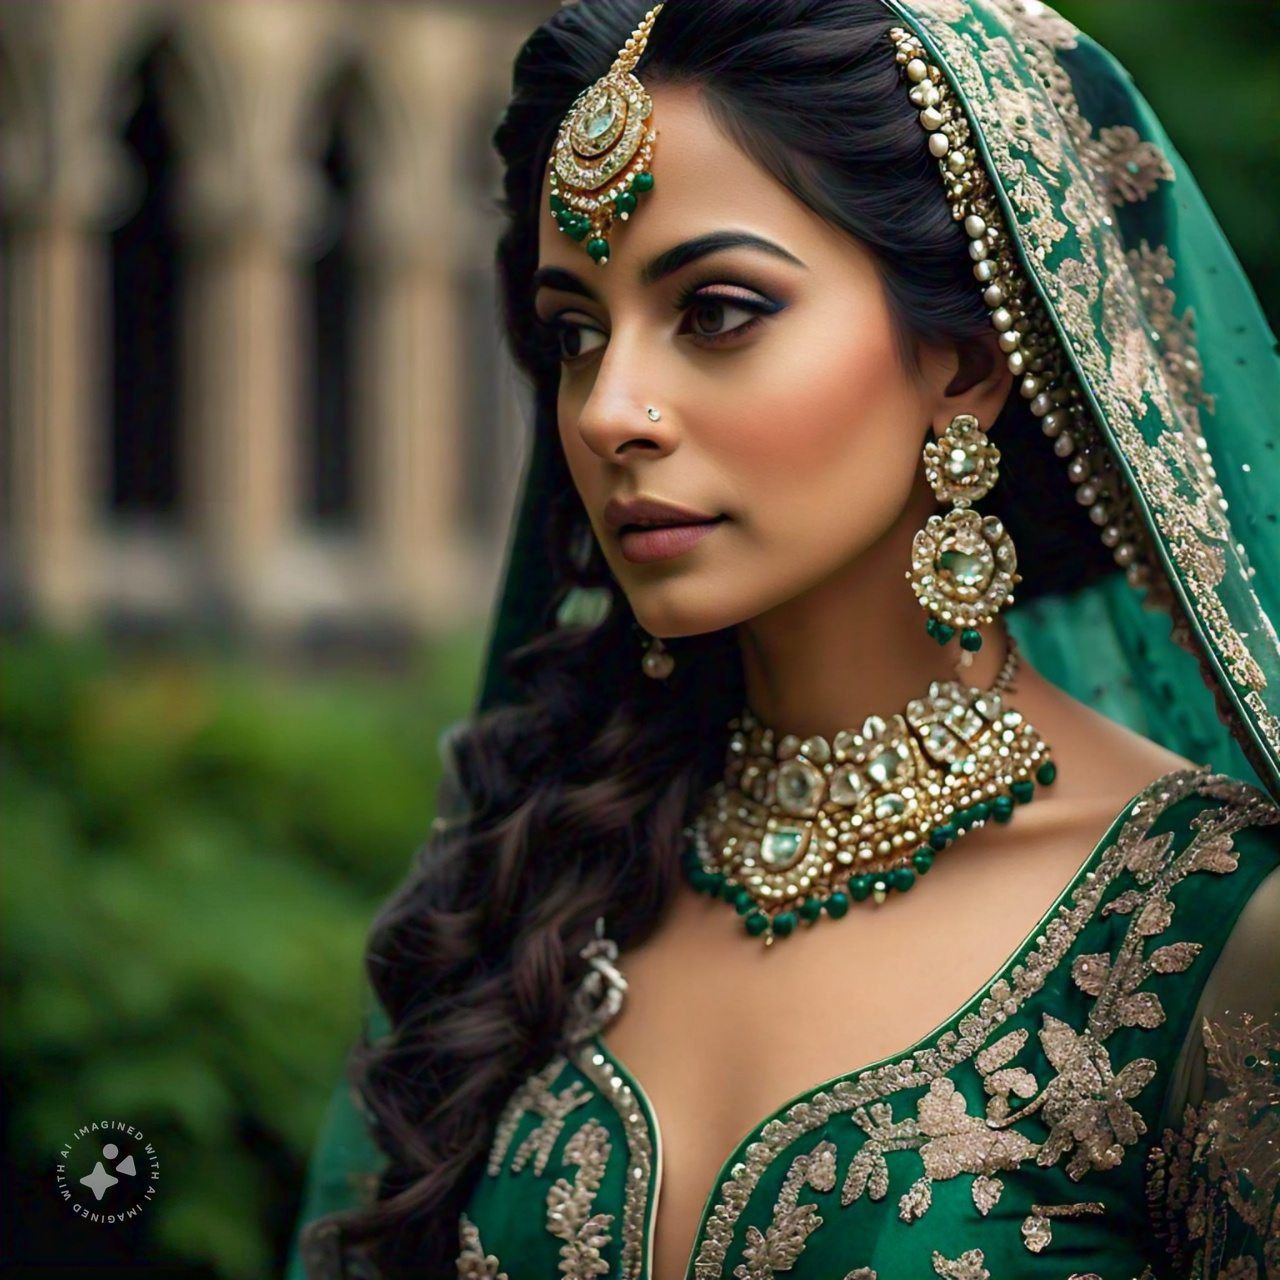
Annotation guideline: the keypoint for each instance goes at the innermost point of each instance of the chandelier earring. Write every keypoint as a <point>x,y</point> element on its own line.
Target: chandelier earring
<point>963,565</point>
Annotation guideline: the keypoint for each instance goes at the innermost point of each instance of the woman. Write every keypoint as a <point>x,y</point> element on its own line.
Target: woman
<point>774,249</point>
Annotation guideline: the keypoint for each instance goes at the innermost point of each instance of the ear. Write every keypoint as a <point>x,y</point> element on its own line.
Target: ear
<point>972,377</point>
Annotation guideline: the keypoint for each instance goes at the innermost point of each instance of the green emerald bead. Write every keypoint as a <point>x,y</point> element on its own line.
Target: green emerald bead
<point>1046,773</point>
<point>837,905</point>
<point>1002,808</point>
<point>940,837</point>
<point>902,878</point>
<point>556,203</point>
<point>942,632</point>
<point>981,811</point>
<point>744,903</point>
<point>698,880</point>
<point>784,923</point>
<point>642,182</point>
<point>598,250</point>
<point>922,860</point>
<point>1023,791</point>
<point>810,910</point>
<point>970,640</point>
<point>729,892</point>
<point>625,203</point>
<point>576,228</point>
<point>931,626</point>
<point>860,888</point>
<point>962,820</point>
<point>757,922</point>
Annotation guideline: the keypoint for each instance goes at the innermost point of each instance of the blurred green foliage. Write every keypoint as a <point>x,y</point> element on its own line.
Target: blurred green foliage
<point>194,850</point>
<point>1211,71</point>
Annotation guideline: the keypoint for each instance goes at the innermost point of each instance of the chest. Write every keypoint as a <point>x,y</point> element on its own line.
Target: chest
<point>721,1031</point>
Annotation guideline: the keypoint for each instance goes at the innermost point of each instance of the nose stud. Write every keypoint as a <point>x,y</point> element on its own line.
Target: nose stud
<point>652,414</point>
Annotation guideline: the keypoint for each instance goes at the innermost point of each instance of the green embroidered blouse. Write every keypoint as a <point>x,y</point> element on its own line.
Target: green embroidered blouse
<point>1105,1107</point>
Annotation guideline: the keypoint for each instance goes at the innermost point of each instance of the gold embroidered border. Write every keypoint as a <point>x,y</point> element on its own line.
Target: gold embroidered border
<point>621,1097</point>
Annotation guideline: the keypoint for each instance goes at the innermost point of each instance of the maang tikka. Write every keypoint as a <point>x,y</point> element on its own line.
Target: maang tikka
<point>599,166</point>
<point>963,565</point>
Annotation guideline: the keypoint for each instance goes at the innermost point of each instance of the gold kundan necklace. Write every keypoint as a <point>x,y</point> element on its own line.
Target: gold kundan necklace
<point>797,827</point>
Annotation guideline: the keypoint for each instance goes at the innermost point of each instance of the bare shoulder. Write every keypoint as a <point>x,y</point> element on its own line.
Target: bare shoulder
<point>1101,763</point>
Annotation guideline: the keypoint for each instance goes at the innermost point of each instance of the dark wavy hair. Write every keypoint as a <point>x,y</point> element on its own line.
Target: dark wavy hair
<point>577,792</point>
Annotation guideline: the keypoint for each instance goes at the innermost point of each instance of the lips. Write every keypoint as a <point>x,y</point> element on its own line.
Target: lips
<point>650,530</point>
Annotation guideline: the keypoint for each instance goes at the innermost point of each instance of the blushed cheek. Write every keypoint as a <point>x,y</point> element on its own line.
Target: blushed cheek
<point>827,432</point>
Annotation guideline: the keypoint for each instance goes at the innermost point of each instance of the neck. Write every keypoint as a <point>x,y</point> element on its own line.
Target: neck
<point>855,644</point>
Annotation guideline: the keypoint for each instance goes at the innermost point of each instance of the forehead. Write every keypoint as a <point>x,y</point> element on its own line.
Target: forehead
<point>703,183</point>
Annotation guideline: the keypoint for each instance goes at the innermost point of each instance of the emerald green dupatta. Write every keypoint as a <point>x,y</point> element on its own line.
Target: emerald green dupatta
<point>1182,381</point>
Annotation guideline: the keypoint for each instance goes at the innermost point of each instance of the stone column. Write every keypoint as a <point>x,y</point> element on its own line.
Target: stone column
<point>63,183</point>
<point>56,334</point>
<point>247,201</point>
<point>416,235</point>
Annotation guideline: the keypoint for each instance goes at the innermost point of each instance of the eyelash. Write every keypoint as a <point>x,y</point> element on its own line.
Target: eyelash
<point>729,295</point>
<point>692,295</point>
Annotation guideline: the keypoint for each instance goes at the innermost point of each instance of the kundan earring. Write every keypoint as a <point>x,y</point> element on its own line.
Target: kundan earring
<point>657,663</point>
<point>963,565</point>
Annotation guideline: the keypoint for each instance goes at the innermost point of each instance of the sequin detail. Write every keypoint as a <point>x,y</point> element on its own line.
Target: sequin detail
<point>968,1266</point>
<point>622,1098</point>
<point>569,1205</point>
<point>779,1247</point>
<point>473,1262</point>
<point>535,1096</point>
<point>1214,1184</point>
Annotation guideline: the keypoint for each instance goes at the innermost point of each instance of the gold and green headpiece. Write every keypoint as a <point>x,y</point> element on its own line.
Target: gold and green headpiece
<point>600,163</point>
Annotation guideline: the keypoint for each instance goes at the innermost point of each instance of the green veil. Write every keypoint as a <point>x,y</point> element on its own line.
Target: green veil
<point>1181,375</point>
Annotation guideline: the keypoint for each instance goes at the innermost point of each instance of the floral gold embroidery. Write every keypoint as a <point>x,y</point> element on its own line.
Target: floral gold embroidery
<point>473,1262</point>
<point>780,1246</point>
<point>535,1095</point>
<point>968,1266</point>
<point>569,1205</point>
<point>1213,1185</point>
<point>1175,335</point>
<point>1037,1229</point>
<point>945,10</point>
<point>1087,1103</point>
<point>1127,167</point>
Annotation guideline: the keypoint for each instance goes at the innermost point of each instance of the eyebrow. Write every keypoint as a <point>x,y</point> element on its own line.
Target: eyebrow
<point>563,281</point>
<point>688,251</point>
<point>668,261</point>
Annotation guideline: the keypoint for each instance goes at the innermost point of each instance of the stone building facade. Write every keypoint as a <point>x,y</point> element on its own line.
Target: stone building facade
<point>252,370</point>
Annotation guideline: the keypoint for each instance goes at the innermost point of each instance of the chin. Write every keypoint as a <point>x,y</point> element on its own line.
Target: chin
<point>689,604</point>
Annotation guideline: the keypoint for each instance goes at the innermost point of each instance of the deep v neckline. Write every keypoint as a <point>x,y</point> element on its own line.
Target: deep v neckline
<point>1082,873</point>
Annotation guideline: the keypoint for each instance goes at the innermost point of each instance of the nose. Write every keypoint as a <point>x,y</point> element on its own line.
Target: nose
<point>623,417</point>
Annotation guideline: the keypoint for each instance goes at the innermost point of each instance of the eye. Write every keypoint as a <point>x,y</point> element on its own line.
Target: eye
<point>576,340</point>
<point>725,314</point>
<point>710,317</point>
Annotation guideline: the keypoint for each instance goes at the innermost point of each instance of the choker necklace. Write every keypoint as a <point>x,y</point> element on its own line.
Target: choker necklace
<point>797,827</point>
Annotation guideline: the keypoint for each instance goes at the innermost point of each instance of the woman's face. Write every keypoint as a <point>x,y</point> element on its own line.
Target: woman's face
<point>789,429</point>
